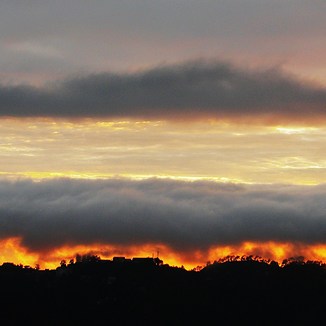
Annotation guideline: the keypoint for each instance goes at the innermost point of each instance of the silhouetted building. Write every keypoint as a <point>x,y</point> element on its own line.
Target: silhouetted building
<point>140,261</point>
<point>120,260</point>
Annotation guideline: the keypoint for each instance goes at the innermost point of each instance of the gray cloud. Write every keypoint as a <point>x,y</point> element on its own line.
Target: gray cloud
<point>104,34</point>
<point>197,89</point>
<point>185,216</point>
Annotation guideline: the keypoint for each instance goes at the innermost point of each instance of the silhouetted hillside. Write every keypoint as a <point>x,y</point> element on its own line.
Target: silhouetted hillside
<point>144,291</point>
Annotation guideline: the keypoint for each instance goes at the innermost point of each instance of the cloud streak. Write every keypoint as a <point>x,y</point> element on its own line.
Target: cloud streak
<point>184,216</point>
<point>185,91</point>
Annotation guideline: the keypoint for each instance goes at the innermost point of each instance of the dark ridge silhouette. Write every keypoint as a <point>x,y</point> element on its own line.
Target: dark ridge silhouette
<point>145,291</point>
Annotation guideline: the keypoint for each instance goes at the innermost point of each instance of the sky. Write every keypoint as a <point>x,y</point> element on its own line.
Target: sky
<point>192,128</point>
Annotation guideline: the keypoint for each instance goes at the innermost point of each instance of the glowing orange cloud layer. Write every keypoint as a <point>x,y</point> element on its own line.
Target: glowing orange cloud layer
<point>13,251</point>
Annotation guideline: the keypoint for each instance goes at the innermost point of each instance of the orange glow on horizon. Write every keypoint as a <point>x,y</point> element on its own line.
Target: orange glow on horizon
<point>272,251</point>
<point>13,251</point>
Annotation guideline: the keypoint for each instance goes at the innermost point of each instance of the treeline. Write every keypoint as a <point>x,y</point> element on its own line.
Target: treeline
<point>88,290</point>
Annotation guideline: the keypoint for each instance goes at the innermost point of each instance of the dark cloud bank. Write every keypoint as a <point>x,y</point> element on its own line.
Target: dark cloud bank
<point>197,89</point>
<point>183,215</point>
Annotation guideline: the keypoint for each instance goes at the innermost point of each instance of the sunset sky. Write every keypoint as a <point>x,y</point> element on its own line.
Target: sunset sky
<point>192,128</point>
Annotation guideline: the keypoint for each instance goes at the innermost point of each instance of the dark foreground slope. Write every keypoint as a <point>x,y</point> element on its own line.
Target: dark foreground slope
<point>113,293</point>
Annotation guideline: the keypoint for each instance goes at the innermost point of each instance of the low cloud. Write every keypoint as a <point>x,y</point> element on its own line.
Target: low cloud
<point>184,216</point>
<point>185,91</point>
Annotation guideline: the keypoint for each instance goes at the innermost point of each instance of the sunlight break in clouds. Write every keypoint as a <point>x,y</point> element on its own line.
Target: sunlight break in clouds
<point>47,148</point>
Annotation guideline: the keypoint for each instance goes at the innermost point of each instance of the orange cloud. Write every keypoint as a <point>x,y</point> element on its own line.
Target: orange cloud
<point>13,251</point>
